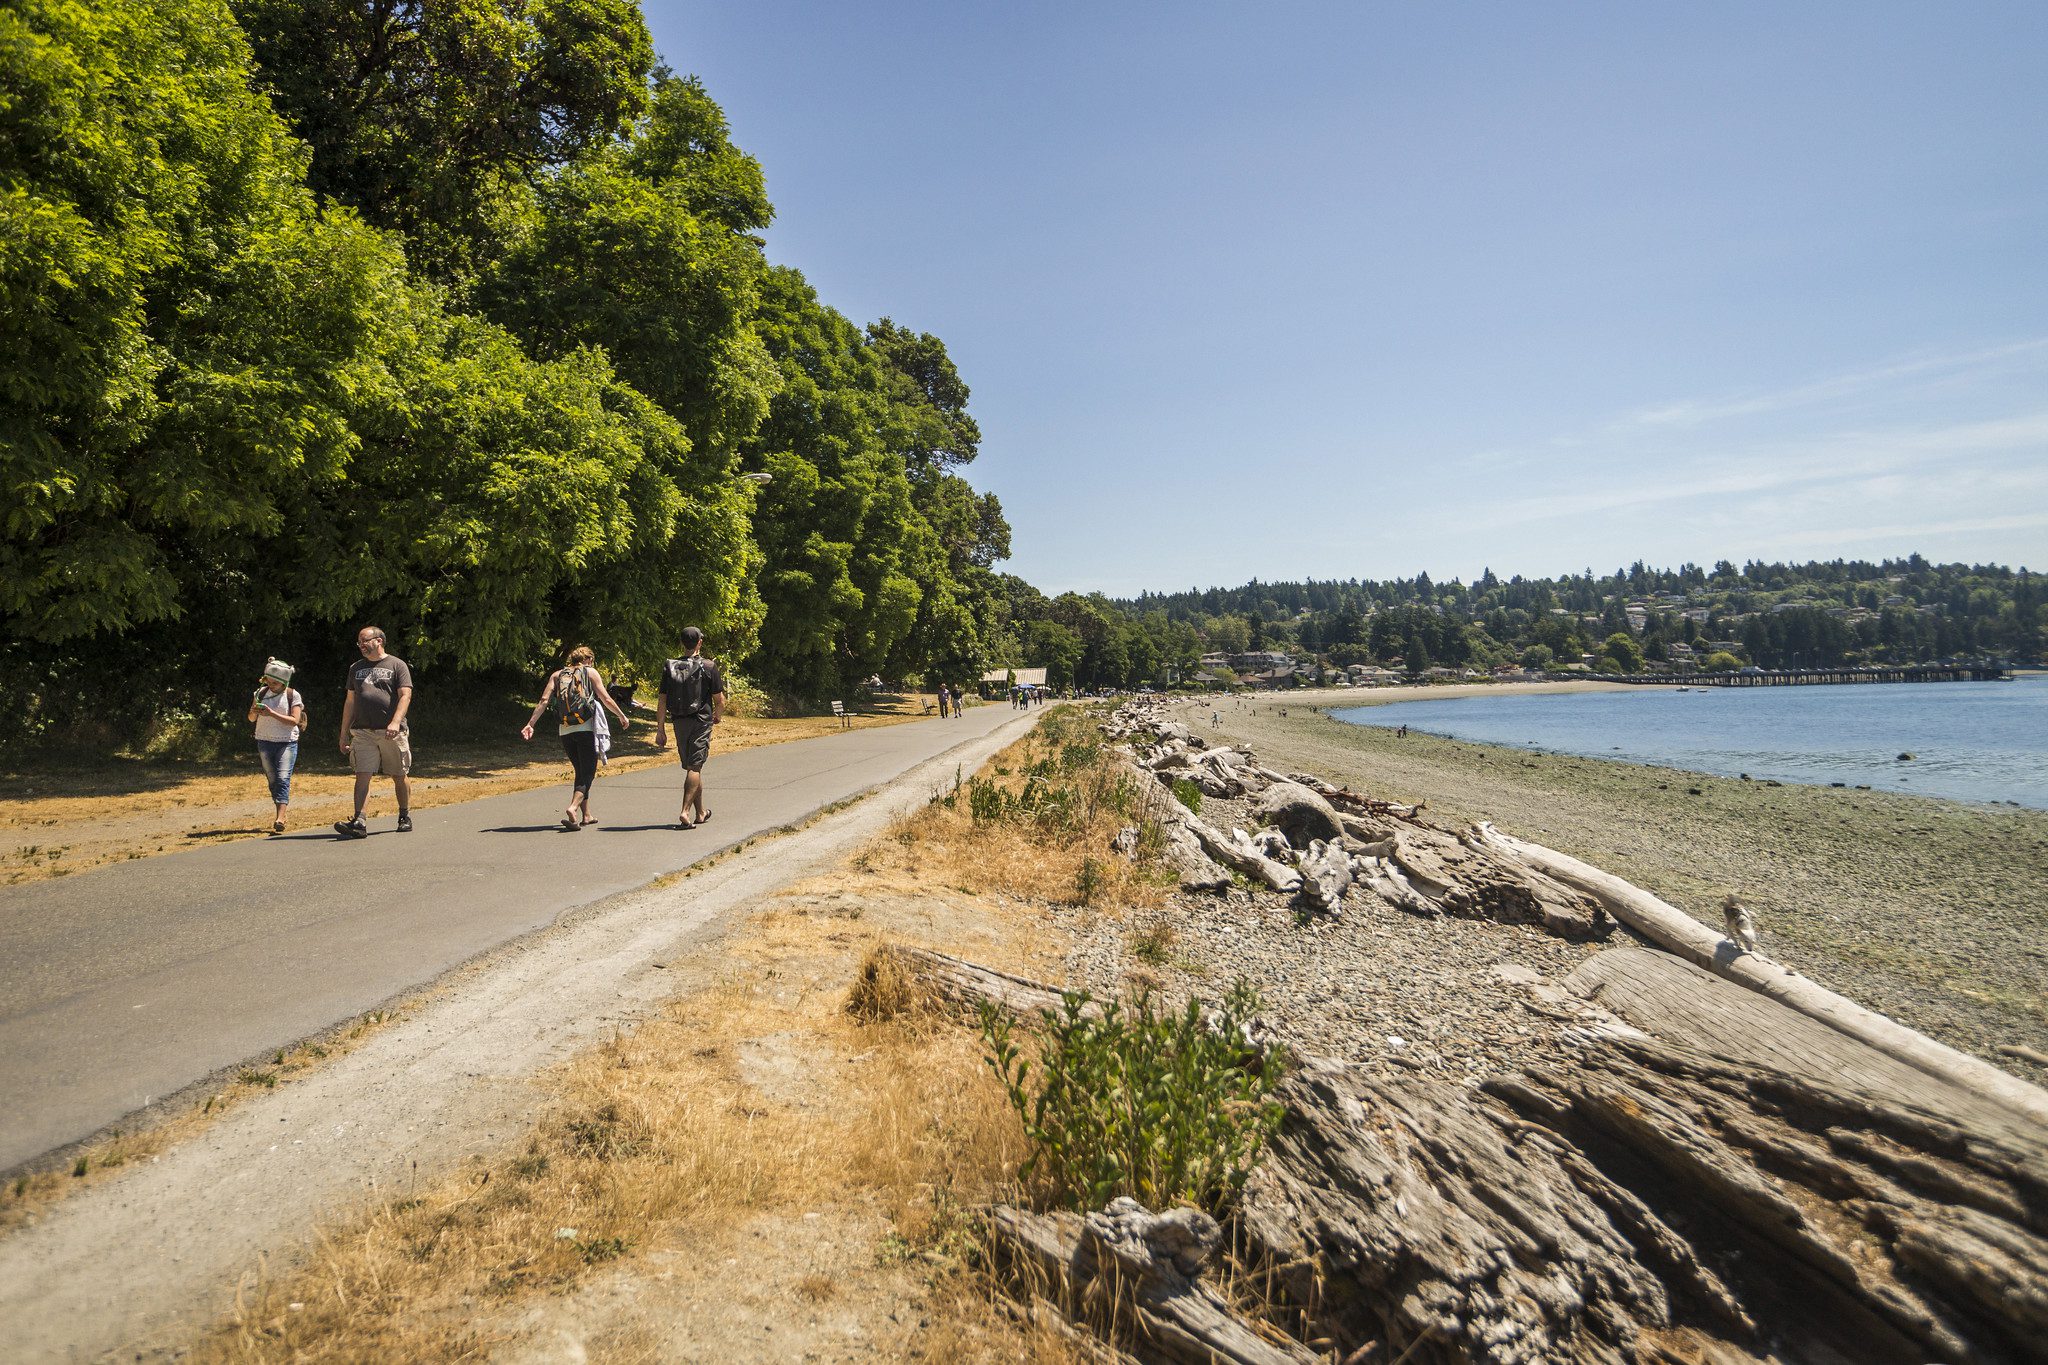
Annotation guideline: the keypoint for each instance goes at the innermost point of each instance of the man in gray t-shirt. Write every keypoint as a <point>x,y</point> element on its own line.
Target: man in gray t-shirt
<point>373,728</point>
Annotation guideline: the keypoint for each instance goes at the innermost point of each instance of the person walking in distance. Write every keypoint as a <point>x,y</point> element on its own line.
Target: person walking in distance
<point>374,733</point>
<point>577,690</point>
<point>693,692</point>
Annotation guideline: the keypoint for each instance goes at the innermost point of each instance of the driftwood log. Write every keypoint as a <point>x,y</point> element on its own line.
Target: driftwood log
<point>1679,933</point>
<point>1641,1201</point>
<point>1135,1275</point>
<point>1242,857</point>
<point>926,976</point>
<point>1428,871</point>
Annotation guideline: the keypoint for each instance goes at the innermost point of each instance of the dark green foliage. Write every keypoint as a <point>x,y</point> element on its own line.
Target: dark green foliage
<point>1188,794</point>
<point>1135,1099</point>
<point>430,116</point>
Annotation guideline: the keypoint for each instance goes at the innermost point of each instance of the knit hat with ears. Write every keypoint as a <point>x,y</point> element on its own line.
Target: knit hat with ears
<point>280,670</point>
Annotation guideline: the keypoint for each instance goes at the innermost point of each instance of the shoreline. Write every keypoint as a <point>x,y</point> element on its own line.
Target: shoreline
<point>1925,908</point>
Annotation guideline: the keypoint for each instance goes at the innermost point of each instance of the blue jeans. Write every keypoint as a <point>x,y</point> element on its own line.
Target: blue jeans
<point>279,757</point>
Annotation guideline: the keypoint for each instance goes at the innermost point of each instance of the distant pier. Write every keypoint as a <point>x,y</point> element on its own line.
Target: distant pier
<point>1811,677</point>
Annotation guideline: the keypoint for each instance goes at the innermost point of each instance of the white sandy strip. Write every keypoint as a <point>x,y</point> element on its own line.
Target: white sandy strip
<point>139,1262</point>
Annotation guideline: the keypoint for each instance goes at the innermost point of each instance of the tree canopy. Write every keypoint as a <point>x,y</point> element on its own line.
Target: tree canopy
<point>449,315</point>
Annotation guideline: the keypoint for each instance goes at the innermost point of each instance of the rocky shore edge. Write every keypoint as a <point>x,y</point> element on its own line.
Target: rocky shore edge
<point>1519,1127</point>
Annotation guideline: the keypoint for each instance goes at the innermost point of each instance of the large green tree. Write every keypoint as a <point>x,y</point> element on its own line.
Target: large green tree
<point>429,116</point>
<point>180,330</point>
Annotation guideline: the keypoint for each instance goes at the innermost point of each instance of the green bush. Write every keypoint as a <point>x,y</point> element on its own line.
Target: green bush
<point>1136,1099</point>
<point>1188,794</point>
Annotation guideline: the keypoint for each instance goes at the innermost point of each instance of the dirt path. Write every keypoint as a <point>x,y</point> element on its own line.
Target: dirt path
<point>67,816</point>
<point>139,1262</point>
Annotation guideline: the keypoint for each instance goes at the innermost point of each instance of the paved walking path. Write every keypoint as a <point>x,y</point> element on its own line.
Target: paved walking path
<point>124,985</point>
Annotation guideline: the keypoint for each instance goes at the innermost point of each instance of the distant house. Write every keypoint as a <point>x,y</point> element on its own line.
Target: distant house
<point>1025,677</point>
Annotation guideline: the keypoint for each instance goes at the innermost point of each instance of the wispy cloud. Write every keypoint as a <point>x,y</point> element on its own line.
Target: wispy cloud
<point>1858,464</point>
<point>1695,412</point>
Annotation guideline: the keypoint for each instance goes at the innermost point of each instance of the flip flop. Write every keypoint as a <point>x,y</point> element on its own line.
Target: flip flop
<point>684,824</point>
<point>702,816</point>
<point>569,823</point>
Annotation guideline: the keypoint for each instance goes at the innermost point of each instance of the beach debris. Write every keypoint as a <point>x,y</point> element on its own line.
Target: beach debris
<point>1299,812</point>
<point>1741,928</point>
<point>1905,758</point>
<point>1325,876</point>
<point>1274,845</point>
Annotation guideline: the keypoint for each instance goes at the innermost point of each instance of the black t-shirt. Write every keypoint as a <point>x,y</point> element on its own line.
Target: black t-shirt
<point>375,684</point>
<point>690,684</point>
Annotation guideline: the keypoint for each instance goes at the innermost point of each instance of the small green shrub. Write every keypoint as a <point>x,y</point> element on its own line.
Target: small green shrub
<point>986,802</point>
<point>1154,943</point>
<point>1188,794</point>
<point>1089,881</point>
<point>1136,1099</point>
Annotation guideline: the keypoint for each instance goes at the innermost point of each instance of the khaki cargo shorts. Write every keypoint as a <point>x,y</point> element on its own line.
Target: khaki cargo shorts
<point>373,751</point>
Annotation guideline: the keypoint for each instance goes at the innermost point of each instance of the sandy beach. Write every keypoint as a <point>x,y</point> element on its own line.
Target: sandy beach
<point>1930,910</point>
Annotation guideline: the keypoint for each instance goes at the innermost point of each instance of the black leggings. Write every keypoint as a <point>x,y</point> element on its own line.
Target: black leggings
<point>581,746</point>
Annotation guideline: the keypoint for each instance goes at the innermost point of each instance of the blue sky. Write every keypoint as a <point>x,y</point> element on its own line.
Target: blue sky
<point>1336,290</point>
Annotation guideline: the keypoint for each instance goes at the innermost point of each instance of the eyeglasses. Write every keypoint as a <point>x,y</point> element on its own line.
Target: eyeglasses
<point>368,640</point>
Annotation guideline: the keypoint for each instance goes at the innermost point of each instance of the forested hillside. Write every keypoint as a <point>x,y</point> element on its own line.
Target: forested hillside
<point>451,317</point>
<point>1772,615</point>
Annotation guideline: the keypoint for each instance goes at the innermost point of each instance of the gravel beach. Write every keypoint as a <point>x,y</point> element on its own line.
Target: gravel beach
<point>1932,911</point>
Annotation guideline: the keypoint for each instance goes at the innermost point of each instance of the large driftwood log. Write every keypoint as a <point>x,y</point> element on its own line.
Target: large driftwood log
<point>1417,1209</point>
<point>920,974</point>
<point>1673,1000</point>
<point>1639,1198</point>
<point>1788,1201</point>
<point>1138,1275</point>
<point>1677,932</point>
<point>1244,858</point>
<point>1428,871</point>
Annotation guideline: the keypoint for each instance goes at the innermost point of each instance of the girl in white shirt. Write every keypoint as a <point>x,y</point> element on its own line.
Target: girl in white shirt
<point>279,714</point>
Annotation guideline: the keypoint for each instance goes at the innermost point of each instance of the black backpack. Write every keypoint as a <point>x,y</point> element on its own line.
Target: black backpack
<point>687,685</point>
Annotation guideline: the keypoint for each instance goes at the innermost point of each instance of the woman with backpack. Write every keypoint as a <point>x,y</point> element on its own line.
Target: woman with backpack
<point>279,713</point>
<point>576,690</point>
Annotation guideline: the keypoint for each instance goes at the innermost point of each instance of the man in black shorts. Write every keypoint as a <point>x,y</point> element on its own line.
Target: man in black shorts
<point>693,691</point>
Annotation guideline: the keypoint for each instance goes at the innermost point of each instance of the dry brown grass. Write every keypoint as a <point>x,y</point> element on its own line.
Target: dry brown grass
<point>28,1195</point>
<point>659,1134</point>
<point>943,844</point>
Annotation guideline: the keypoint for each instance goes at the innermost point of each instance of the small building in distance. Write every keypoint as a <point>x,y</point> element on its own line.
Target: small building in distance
<point>995,680</point>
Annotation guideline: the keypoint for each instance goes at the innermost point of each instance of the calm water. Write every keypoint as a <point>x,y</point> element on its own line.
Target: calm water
<point>1970,741</point>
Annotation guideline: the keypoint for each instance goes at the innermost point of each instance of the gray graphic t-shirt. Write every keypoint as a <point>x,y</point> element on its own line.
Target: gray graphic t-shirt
<point>375,687</point>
